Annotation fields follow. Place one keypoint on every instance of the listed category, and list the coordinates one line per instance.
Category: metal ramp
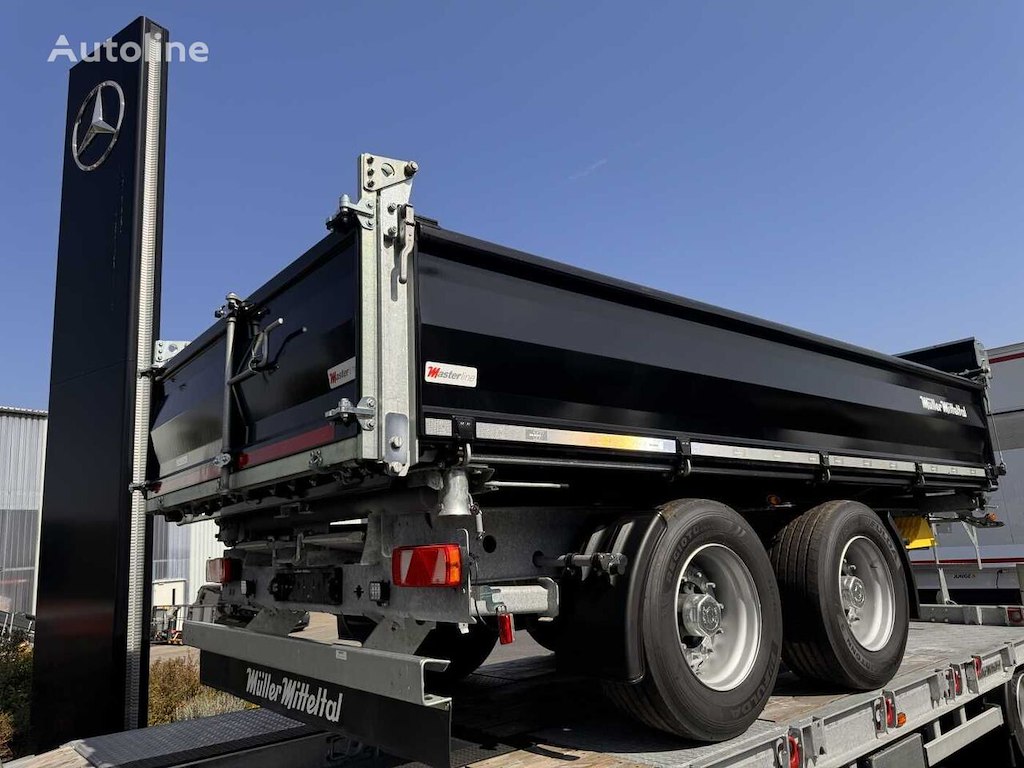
(524, 713)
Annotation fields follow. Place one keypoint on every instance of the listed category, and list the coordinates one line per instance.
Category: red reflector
(977, 666)
(890, 713)
(506, 629)
(794, 752)
(432, 565)
(221, 570)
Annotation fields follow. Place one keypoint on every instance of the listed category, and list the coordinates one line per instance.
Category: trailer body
(441, 440)
(522, 356)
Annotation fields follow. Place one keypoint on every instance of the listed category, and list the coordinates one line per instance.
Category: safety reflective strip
(950, 469)
(615, 442)
(438, 427)
(721, 451)
(862, 462)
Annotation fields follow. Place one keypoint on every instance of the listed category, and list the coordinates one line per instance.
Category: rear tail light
(432, 565)
(221, 570)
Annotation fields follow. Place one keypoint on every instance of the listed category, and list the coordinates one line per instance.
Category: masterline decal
(291, 694)
(453, 375)
(342, 373)
(943, 406)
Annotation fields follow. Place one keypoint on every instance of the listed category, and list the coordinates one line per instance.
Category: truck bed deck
(525, 713)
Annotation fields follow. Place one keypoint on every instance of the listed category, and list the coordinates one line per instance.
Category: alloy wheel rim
(718, 617)
(867, 594)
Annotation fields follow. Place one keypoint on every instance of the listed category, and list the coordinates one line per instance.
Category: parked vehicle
(983, 565)
(440, 439)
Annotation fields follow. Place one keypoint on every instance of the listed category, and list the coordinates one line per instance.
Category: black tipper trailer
(401, 386)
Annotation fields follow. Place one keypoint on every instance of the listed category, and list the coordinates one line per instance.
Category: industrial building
(179, 553)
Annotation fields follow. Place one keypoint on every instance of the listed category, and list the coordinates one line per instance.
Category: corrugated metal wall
(22, 453)
(202, 546)
(179, 552)
(170, 550)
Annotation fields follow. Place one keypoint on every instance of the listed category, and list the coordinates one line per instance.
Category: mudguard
(908, 572)
(600, 619)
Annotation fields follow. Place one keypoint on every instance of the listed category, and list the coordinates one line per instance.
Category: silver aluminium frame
(387, 241)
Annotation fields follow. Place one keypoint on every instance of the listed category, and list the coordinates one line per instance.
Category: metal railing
(17, 624)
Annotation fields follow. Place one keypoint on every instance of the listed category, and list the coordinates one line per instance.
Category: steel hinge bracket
(164, 350)
(361, 210)
(365, 412)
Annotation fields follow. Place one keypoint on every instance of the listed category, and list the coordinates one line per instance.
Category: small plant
(210, 702)
(15, 693)
(172, 682)
(6, 736)
(175, 693)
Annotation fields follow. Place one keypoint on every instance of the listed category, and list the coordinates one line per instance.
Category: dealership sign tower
(91, 656)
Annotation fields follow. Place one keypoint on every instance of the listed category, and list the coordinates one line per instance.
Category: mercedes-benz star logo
(92, 142)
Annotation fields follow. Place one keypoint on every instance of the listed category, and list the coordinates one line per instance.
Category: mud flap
(401, 728)
(601, 614)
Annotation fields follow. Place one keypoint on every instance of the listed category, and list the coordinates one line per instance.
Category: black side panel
(80, 649)
(316, 298)
(553, 346)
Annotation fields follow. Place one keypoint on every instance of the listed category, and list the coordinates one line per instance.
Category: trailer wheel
(547, 634)
(1013, 709)
(844, 596)
(465, 652)
(710, 624)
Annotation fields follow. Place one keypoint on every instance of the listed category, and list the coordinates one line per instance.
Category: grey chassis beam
(395, 675)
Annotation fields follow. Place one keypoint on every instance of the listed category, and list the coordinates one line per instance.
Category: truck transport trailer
(442, 441)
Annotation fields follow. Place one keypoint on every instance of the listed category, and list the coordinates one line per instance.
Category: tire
(465, 652)
(705, 541)
(811, 556)
(1013, 710)
(547, 634)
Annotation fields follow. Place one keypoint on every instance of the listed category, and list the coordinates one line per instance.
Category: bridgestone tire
(820, 644)
(670, 697)
(465, 652)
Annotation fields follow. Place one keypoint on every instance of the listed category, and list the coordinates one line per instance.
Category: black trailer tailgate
(311, 363)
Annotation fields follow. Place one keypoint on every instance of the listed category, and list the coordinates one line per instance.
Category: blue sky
(853, 169)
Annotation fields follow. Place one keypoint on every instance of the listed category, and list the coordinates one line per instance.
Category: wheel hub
(719, 624)
(854, 595)
(701, 615)
(867, 593)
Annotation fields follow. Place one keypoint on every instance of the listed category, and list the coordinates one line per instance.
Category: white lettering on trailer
(943, 406)
(293, 694)
(342, 373)
(453, 375)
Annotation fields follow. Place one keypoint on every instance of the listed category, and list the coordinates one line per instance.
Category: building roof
(11, 410)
